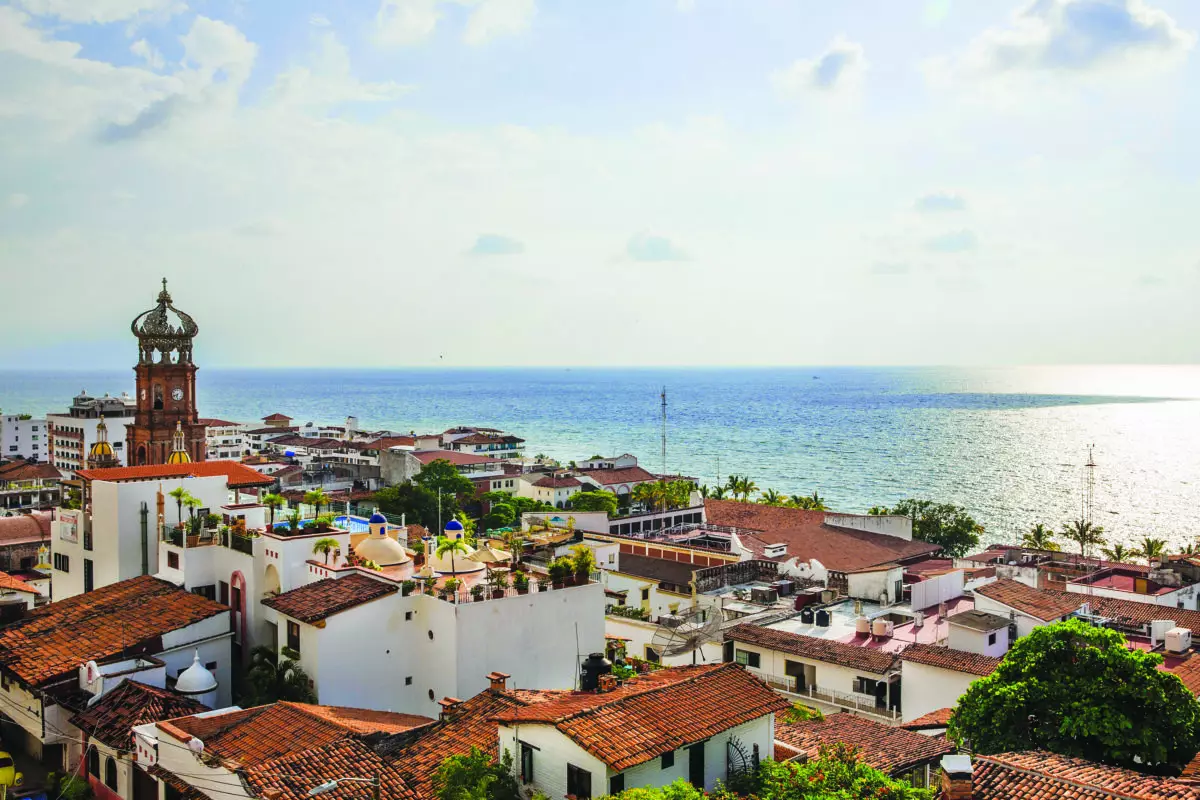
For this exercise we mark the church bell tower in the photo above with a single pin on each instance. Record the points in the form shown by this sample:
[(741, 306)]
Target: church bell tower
[(166, 417)]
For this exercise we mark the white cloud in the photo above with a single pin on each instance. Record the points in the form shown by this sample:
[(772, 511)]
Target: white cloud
[(953, 242), (144, 50), (937, 202), (494, 244), (17, 200), (1075, 36), (839, 68), (216, 47), (406, 22), (319, 21), (327, 80), (493, 18), (649, 247), (100, 11)]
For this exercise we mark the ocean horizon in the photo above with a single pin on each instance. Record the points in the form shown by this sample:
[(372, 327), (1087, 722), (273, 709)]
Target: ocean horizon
[(1006, 443)]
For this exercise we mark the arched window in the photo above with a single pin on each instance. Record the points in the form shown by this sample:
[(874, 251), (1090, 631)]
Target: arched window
[(141, 454), (93, 762), (110, 773), (158, 397)]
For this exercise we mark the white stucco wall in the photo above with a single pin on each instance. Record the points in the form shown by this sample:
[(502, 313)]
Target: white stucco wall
[(924, 688), (876, 586), (975, 641), (1025, 622)]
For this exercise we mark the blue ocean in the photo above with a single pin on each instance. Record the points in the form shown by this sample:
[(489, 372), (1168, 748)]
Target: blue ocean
[(1006, 443)]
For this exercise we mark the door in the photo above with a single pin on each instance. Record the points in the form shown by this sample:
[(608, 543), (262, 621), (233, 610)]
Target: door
[(795, 670), (696, 765)]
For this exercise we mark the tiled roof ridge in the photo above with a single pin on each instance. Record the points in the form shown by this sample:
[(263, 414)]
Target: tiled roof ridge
[(649, 687), (969, 661), (998, 760)]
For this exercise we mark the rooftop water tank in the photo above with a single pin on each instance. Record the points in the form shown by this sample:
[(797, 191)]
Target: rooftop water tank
[(862, 626), (807, 615), (823, 618), (590, 671)]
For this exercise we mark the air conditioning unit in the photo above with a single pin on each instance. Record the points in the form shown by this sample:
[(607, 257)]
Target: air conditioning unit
[(1179, 640), (763, 596), (783, 588)]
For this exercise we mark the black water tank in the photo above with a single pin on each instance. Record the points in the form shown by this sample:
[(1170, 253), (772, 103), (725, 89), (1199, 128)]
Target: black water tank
[(590, 671), (823, 618), (806, 615)]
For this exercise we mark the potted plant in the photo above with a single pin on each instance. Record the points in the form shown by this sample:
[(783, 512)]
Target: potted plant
[(521, 582), (477, 592), (450, 587), (407, 587), (559, 569), (418, 548), (499, 581), (582, 563), (324, 523), (543, 585)]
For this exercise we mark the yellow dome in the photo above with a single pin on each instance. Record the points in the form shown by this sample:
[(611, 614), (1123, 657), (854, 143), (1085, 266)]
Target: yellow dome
[(100, 450), (179, 457)]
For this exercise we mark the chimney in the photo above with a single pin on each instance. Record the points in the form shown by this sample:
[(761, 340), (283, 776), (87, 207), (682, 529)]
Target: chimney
[(607, 683), (957, 783), (449, 706), (498, 680)]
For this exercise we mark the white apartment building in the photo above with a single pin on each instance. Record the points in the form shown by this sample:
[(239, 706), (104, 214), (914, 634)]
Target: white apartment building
[(23, 436), (225, 440), (73, 433)]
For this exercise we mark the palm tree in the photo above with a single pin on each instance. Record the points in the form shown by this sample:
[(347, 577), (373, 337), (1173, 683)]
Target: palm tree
[(1118, 552), (192, 502), (451, 546), (718, 493), (179, 493), (1084, 533), (273, 502), (326, 546), (1151, 549), (770, 497), (1192, 548), (878, 511), (1040, 537), (316, 498), (268, 680)]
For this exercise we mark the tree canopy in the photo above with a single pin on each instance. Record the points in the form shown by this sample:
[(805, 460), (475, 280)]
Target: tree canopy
[(267, 680), (594, 501), (1075, 689), (476, 776), (941, 523), (440, 475), (418, 504)]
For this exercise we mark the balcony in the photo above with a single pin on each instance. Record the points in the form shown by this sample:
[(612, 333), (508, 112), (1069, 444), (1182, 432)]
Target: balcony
[(858, 703)]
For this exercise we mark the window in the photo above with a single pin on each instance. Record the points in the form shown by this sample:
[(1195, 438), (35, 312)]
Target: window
[(223, 593), (668, 760), (865, 686), (526, 763), (616, 784), (991, 638), (645, 594), (172, 559), (209, 591), (408, 616), (62, 562), (293, 636), (652, 655), (110, 773), (748, 659), (579, 782), (88, 575), (211, 666), (408, 681), (94, 762)]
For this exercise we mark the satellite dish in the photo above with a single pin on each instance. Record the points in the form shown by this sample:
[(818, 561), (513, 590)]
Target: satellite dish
[(686, 632)]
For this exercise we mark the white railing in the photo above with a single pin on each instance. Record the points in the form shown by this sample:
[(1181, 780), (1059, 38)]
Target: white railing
[(860, 703)]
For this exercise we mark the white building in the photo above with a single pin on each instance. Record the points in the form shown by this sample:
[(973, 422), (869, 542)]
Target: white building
[(615, 462), (555, 489), (22, 436), (225, 440), (73, 432), (935, 677), (73, 649), (483, 442)]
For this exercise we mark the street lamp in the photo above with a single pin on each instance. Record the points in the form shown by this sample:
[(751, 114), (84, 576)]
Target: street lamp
[(330, 785)]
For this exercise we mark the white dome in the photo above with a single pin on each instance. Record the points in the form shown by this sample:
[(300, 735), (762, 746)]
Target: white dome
[(452, 565), (195, 679), (383, 550)]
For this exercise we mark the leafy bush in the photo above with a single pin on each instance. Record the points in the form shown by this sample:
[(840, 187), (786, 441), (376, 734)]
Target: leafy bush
[(476, 776)]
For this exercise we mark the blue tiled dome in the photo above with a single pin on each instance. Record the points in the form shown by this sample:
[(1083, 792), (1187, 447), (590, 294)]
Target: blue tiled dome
[(377, 518), (454, 526)]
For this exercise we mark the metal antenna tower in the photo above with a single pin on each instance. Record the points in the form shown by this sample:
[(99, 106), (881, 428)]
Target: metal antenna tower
[(1089, 485), (663, 479)]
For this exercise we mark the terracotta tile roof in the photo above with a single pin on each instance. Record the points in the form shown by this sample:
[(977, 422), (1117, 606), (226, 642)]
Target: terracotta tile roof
[(132, 703), (934, 719), (483, 438), (830, 651), (888, 749), (26, 471), (1037, 775), (456, 458), (277, 417), (559, 482), (659, 570), (1187, 671), (472, 725), (271, 429), (807, 536), (1047, 605), (612, 477), (292, 776), (932, 655), (309, 442), (185, 789), (655, 713), (25, 529), (129, 617), (235, 474), (389, 441), (324, 598), (1192, 770), (11, 584), (209, 422), (251, 736)]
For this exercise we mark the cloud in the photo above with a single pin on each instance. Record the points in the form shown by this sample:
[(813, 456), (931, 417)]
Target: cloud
[(156, 115), (493, 18), (1076, 36), (16, 200), (839, 68), (218, 48), (1150, 281), (407, 22), (940, 201), (328, 80), (685, 6), (953, 242), (890, 268), (493, 244), (100, 11), (143, 50), (648, 247), (319, 21)]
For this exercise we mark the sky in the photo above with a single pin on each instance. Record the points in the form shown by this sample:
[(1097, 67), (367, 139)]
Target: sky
[(628, 182)]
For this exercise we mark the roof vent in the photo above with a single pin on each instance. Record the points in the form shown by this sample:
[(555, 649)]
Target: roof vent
[(775, 550)]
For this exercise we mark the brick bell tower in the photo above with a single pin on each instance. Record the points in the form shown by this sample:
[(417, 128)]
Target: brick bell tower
[(166, 387)]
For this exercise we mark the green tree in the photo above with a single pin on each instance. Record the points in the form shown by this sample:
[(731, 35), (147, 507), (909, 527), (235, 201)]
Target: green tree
[(273, 502), (326, 546), (599, 500), (441, 476), (476, 776), (267, 680), (501, 515), (770, 497), (418, 504), (813, 502), (718, 492), (192, 502), (1085, 534), (941, 524), (450, 545), (1040, 537), (317, 499), (878, 511), (1118, 552), (1150, 549), (1076, 689), (583, 560), (179, 493)]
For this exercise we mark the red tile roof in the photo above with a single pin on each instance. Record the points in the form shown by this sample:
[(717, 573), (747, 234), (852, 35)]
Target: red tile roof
[(209, 422), (1187, 671), (934, 719), (276, 418), (132, 703), (324, 598), (612, 477), (185, 789), (388, 441), (235, 474), (129, 617), (559, 482), (483, 438), (25, 471), (10, 584), (25, 529), (281, 430), (807, 536), (456, 458), (830, 651), (888, 749), (292, 776), (653, 714), (1037, 775), (1192, 770), (932, 655), (1047, 605), (307, 441), (251, 736)]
